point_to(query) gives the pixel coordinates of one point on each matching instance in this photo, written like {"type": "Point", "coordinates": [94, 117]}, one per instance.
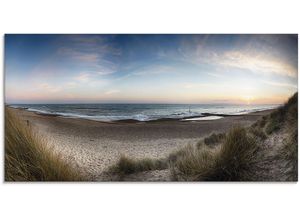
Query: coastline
{"type": "Point", "coordinates": [201, 116]}
{"type": "Point", "coordinates": [92, 146]}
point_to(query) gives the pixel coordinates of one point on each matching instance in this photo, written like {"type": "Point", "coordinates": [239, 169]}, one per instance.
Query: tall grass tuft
{"type": "Point", "coordinates": [287, 114]}
{"type": "Point", "coordinates": [232, 162]}
{"type": "Point", "coordinates": [126, 165]}
{"type": "Point", "coordinates": [289, 151]}
{"type": "Point", "coordinates": [214, 139]}
{"type": "Point", "coordinates": [27, 156]}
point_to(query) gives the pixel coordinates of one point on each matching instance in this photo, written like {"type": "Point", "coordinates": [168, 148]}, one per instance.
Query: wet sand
{"type": "Point", "coordinates": [92, 146]}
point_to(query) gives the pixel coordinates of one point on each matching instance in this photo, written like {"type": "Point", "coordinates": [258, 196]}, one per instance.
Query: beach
{"type": "Point", "coordinates": [92, 146]}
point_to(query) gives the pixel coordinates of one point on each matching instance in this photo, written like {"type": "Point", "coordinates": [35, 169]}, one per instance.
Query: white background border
{"type": "Point", "coordinates": [147, 201]}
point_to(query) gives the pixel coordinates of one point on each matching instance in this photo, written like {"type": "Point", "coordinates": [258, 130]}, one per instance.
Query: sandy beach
{"type": "Point", "coordinates": [92, 146]}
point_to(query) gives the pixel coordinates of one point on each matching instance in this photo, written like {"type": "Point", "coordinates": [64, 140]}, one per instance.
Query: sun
{"type": "Point", "coordinates": [248, 99]}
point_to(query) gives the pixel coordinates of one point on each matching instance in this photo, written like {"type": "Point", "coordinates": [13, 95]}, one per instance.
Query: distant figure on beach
{"type": "Point", "coordinates": [27, 121]}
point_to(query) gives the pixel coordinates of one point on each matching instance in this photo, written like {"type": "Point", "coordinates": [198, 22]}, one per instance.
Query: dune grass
{"type": "Point", "coordinates": [258, 132]}
{"type": "Point", "coordinates": [286, 118]}
{"type": "Point", "coordinates": [126, 165]}
{"type": "Point", "coordinates": [289, 153]}
{"type": "Point", "coordinates": [29, 158]}
{"type": "Point", "coordinates": [214, 139]}
{"type": "Point", "coordinates": [286, 114]}
{"type": "Point", "coordinates": [273, 125]}
{"type": "Point", "coordinates": [232, 162]}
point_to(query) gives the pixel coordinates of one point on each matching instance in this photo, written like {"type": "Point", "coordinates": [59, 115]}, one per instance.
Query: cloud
{"type": "Point", "coordinates": [71, 85]}
{"type": "Point", "coordinates": [153, 70]}
{"type": "Point", "coordinates": [110, 92]}
{"type": "Point", "coordinates": [215, 75]}
{"type": "Point", "coordinates": [196, 85]}
{"type": "Point", "coordinates": [280, 84]}
{"type": "Point", "coordinates": [78, 55]}
{"type": "Point", "coordinates": [256, 62]}
{"type": "Point", "coordinates": [100, 44]}
{"type": "Point", "coordinates": [91, 79]}
{"type": "Point", "coordinates": [49, 88]}
{"type": "Point", "coordinates": [150, 70]}
{"type": "Point", "coordinates": [257, 53]}
{"type": "Point", "coordinates": [98, 83]}
{"type": "Point", "coordinates": [104, 69]}
{"type": "Point", "coordinates": [83, 77]}
{"type": "Point", "coordinates": [90, 52]}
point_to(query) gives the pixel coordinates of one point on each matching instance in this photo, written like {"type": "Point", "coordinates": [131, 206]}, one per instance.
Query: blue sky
{"type": "Point", "coordinates": [150, 68]}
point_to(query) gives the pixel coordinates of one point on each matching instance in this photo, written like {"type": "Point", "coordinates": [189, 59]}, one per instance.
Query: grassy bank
{"type": "Point", "coordinates": [28, 157]}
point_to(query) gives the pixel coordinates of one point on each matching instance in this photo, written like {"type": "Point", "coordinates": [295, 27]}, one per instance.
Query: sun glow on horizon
{"type": "Point", "coordinates": [248, 99]}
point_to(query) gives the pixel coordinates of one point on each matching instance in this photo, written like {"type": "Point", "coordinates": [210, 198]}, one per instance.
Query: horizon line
{"type": "Point", "coordinates": [143, 103]}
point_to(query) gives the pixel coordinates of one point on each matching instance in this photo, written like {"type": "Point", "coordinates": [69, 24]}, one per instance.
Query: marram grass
{"type": "Point", "coordinates": [28, 157]}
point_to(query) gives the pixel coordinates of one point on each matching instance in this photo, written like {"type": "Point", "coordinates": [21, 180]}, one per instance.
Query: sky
{"type": "Point", "coordinates": [242, 69]}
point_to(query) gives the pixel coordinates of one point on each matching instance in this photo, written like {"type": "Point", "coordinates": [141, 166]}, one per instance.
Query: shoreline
{"type": "Point", "coordinates": [130, 120]}
{"type": "Point", "coordinates": [92, 146]}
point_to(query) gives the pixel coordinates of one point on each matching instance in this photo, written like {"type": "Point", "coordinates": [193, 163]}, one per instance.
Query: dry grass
{"type": "Point", "coordinates": [287, 114]}
{"type": "Point", "coordinates": [272, 126]}
{"type": "Point", "coordinates": [27, 156]}
{"type": "Point", "coordinates": [126, 165]}
{"type": "Point", "coordinates": [232, 162]}
{"type": "Point", "coordinates": [258, 132]}
{"type": "Point", "coordinates": [214, 139]}
{"type": "Point", "coordinates": [289, 153]}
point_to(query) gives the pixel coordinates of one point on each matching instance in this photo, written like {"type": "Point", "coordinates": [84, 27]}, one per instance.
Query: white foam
{"type": "Point", "coordinates": [207, 118]}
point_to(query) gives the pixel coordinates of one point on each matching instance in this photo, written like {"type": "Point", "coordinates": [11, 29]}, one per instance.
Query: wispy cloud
{"type": "Point", "coordinates": [105, 68]}
{"type": "Point", "coordinates": [49, 88]}
{"type": "Point", "coordinates": [91, 53]}
{"type": "Point", "coordinates": [110, 92]}
{"type": "Point", "coordinates": [258, 54]}
{"type": "Point", "coordinates": [150, 70]}
{"type": "Point", "coordinates": [101, 44]}
{"type": "Point", "coordinates": [78, 55]}
{"type": "Point", "coordinates": [196, 85]}
{"type": "Point", "coordinates": [256, 62]}
{"type": "Point", "coordinates": [153, 70]}
{"type": "Point", "coordinates": [98, 83]}
{"type": "Point", "coordinates": [83, 77]}
{"type": "Point", "coordinates": [216, 75]}
{"type": "Point", "coordinates": [71, 85]}
{"type": "Point", "coordinates": [280, 84]}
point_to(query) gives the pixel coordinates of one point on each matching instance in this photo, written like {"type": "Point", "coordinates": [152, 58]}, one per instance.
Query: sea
{"type": "Point", "coordinates": [142, 112]}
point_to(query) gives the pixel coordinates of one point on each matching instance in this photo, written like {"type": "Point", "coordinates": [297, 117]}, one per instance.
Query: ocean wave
{"type": "Point", "coordinates": [205, 118]}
